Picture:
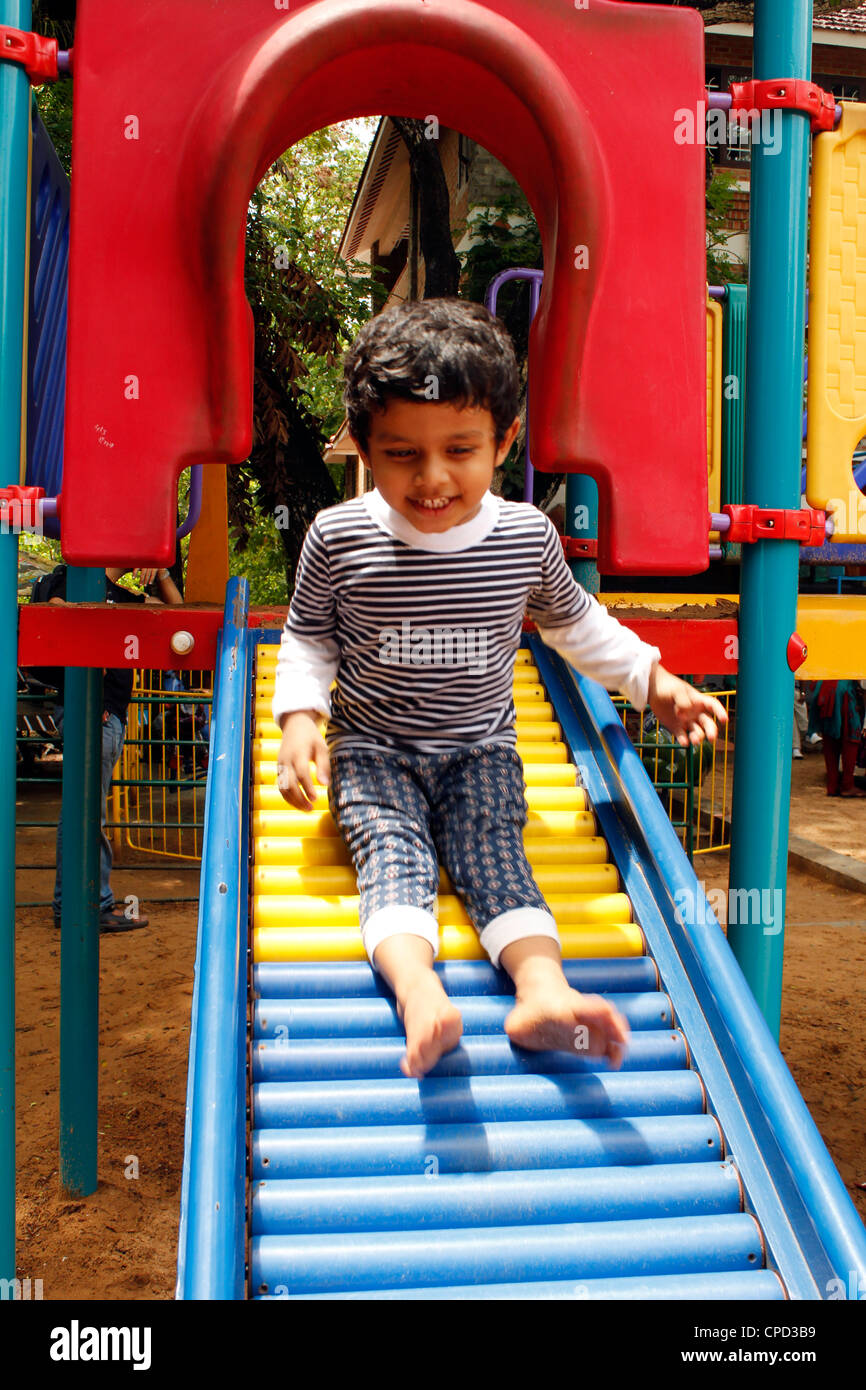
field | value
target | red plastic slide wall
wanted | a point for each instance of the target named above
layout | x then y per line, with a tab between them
179	110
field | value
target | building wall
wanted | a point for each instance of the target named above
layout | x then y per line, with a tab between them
735	51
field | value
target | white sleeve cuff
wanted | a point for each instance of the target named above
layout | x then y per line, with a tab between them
305	671
607	651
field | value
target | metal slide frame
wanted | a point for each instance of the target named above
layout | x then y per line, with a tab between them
212	1239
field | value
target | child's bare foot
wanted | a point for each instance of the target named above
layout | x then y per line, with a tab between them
433	1025
562	1020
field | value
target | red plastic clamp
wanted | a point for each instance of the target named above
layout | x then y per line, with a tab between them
27	511
797	651
750	523
36	53
577	549
786	94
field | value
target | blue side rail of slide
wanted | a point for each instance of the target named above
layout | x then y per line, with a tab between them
212	1241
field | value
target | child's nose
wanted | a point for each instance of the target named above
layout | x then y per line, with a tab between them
431	470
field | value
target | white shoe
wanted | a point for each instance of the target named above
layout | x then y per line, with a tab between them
796	753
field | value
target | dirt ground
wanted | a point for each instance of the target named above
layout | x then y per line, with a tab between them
121	1242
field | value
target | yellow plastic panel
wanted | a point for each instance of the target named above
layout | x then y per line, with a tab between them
339	879
457	942
837	321
833	626
714	408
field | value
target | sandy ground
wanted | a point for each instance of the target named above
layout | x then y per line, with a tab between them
121	1242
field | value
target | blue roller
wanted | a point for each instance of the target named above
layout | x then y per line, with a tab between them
377	1018
300	1104
759	1285
371	1150
594	1249
363	1057
305	1206
355	979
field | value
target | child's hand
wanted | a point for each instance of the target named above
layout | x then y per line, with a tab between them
301	745
690	715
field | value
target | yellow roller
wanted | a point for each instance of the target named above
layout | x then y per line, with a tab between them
269	798
528	729
588	941
331	849
525	709
267	750
339	879
554	774
288	821
341	910
524	692
266	656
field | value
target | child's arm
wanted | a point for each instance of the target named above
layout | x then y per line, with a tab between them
577	626
306	666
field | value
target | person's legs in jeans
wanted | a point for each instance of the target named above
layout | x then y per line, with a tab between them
112	744
379	805
479	811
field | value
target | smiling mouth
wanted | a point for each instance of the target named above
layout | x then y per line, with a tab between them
432	504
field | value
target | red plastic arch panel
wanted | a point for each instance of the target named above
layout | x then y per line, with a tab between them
181	108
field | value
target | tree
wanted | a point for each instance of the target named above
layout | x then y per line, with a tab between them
441	266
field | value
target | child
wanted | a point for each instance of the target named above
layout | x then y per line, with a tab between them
413	597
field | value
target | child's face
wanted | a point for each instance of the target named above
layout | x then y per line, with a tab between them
432	461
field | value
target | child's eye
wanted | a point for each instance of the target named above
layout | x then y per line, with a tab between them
408	453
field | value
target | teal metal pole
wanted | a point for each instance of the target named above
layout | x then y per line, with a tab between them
768	584
79	926
14	145
581	520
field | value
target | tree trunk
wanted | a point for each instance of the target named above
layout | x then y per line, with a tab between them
441	263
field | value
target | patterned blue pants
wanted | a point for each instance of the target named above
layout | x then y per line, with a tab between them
397	811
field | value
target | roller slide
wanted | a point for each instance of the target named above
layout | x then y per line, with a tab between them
314	1169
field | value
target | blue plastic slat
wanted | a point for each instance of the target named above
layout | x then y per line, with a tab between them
302	1104
362	1057
596	1249
760	1285
294	1019
458	1148
344	979
305	1206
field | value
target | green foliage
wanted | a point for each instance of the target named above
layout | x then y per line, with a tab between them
308	304
722	264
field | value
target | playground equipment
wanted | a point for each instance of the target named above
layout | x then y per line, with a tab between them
695	1172
550	90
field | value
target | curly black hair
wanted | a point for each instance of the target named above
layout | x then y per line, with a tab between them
444	349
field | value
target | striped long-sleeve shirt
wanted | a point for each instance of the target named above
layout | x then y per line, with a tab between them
420	630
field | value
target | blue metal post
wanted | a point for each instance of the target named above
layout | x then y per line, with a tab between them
581	520
14	145
768	592
79	935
